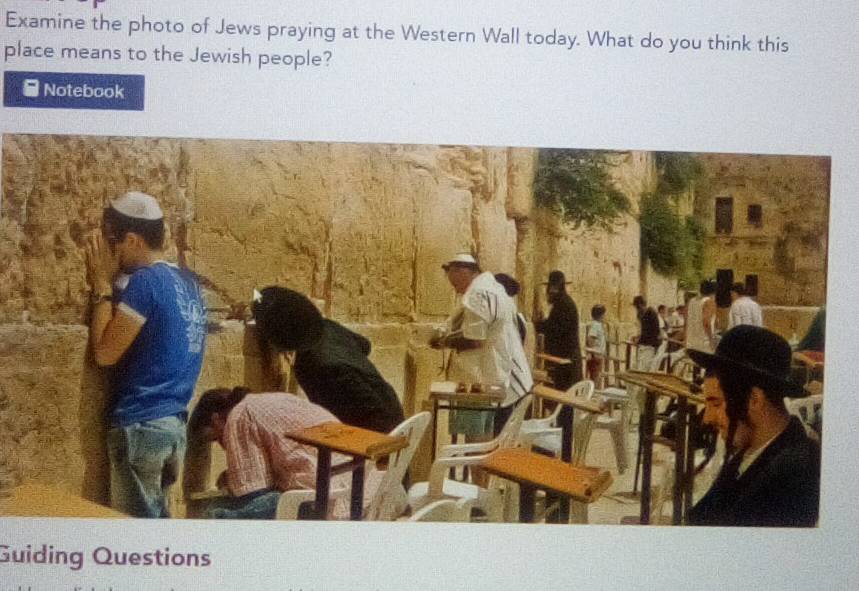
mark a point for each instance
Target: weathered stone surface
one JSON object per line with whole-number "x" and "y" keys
{"x": 788, "y": 250}
{"x": 603, "y": 268}
{"x": 51, "y": 424}
{"x": 361, "y": 228}
{"x": 789, "y": 321}
{"x": 54, "y": 188}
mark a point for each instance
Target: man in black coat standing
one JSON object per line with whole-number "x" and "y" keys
{"x": 771, "y": 475}
{"x": 561, "y": 332}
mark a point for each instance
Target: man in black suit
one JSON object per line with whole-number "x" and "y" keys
{"x": 561, "y": 332}
{"x": 771, "y": 475}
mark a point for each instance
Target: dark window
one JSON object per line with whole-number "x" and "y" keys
{"x": 724, "y": 280}
{"x": 724, "y": 215}
{"x": 751, "y": 285}
{"x": 756, "y": 216}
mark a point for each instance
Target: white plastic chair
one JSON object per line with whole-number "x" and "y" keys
{"x": 546, "y": 434}
{"x": 489, "y": 500}
{"x": 291, "y": 500}
{"x": 449, "y": 510}
{"x": 389, "y": 500}
{"x": 806, "y": 410}
{"x": 618, "y": 426}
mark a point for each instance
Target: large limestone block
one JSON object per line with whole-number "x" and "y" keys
{"x": 52, "y": 415}
{"x": 54, "y": 189}
{"x": 261, "y": 215}
{"x": 521, "y": 167}
{"x": 789, "y": 321}
{"x": 373, "y": 234}
{"x": 787, "y": 250}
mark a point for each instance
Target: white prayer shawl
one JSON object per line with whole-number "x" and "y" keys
{"x": 486, "y": 313}
{"x": 696, "y": 337}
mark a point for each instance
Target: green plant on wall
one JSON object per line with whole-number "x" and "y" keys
{"x": 674, "y": 246}
{"x": 661, "y": 233}
{"x": 577, "y": 186}
{"x": 691, "y": 269}
{"x": 678, "y": 172}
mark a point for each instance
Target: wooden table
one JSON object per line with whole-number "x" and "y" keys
{"x": 38, "y": 500}
{"x": 686, "y": 394}
{"x": 544, "y": 392}
{"x": 540, "y": 374}
{"x": 449, "y": 396}
{"x": 360, "y": 444}
{"x": 813, "y": 360}
{"x": 532, "y": 472}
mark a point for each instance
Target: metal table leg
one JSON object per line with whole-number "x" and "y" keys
{"x": 434, "y": 428}
{"x": 647, "y": 460}
{"x": 323, "y": 483}
{"x": 690, "y": 462}
{"x": 357, "y": 505}
{"x": 679, "y": 462}
{"x": 526, "y": 503}
{"x": 566, "y": 416}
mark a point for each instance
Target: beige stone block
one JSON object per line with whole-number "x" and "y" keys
{"x": 789, "y": 321}
{"x": 522, "y": 165}
{"x": 423, "y": 366}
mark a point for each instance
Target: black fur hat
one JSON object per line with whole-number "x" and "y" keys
{"x": 287, "y": 319}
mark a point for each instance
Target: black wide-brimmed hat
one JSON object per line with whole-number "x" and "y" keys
{"x": 287, "y": 319}
{"x": 756, "y": 352}
{"x": 557, "y": 277}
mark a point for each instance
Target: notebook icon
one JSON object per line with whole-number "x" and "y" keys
{"x": 30, "y": 88}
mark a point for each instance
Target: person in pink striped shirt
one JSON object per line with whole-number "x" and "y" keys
{"x": 261, "y": 461}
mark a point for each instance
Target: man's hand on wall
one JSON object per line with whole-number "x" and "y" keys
{"x": 102, "y": 264}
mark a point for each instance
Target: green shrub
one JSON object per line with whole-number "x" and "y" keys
{"x": 576, "y": 185}
{"x": 678, "y": 171}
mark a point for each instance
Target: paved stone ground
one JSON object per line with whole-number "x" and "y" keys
{"x": 618, "y": 502}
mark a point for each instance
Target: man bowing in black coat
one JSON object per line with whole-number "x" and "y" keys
{"x": 771, "y": 475}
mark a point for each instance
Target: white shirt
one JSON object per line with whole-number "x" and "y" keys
{"x": 749, "y": 458}
{"x": 595, "y": 331}
{"x": 696, "y": 337}
{"x": 745, "y": 310}
{"x": 486, "y": 313}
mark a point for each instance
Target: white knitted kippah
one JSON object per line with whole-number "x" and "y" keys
{"x": 135, "y": 204}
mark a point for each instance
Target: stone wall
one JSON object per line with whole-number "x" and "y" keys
{"x": 53, "y": 191}
{"x": 363, "y": 228}
{"x": 788, "y": 250}
{"x": 605, "y": 268}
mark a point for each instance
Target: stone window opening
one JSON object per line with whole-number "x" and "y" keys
{"x": 724, "y": 215}
{"x": 751, "y": 285}
{"x": 755, "y": 216}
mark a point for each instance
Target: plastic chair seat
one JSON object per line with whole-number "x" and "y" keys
{"x": 617, "y": 426}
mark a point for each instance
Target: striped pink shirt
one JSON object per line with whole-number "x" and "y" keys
{"x": 260, "y": 456}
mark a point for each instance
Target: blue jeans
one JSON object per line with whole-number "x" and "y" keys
{"x": 260, "y": 504}
{"x": 145, "y": 459}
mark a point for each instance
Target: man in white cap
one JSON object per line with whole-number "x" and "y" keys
{"x": 153, "y": 339}
{"x": 483, "y": 331}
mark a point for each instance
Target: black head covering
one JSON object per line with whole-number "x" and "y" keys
{"x": 757, "y": 353}
{"x": 287, "y": 319}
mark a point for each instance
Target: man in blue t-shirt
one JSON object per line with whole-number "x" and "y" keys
{"x": 153, "y": 338}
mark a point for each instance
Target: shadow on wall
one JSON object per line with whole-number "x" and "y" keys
{"x": 92, "y": 417}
